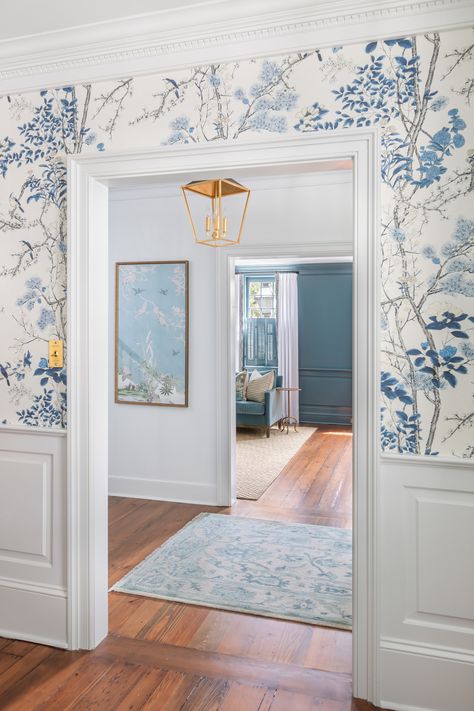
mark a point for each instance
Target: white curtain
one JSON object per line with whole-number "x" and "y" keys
{"x": 239, "y": 324}
{"x": 287, "y": 335}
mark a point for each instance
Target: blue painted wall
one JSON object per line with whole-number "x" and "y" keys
{"x": 325, "y": 342}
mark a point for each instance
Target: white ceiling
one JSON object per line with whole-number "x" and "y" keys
{"x": 30, "y": 17}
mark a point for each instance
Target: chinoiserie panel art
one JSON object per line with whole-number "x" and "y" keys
{"x": 419, "y": 91}
{"x": 151, "y": 333}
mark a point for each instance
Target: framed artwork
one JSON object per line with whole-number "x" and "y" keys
{"x": 151, "y": 333}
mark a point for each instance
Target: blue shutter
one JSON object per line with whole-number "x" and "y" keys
{"x": 261, "y": 343}
{"x": 260, "y": 337}
{"x": 251, "y": 341}
{"x": 272, "y": 354}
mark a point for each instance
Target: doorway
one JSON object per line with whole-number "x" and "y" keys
{"x": 87, "y": 460}
{"x": 300, "y": 473}
{"x": 293, "y": 326}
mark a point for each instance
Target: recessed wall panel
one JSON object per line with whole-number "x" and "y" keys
{"x": 445, "y": 529}
{"x": 25, "y": 506}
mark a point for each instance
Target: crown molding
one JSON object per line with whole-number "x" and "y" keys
{"x": 213, "y": 32}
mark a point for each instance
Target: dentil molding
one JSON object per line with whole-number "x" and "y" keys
{"x": 213, "y": 32}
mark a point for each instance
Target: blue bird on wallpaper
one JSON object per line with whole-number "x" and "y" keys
{"x": 5, "y": 374}
{"x": 137, "y": 291}
{"x": 175, "y": 353}
{"x": 29, "y": 247}
{"x": 17, "y": 202}
{"x": 175, "y": 84}
{"x": 164, "y": 291}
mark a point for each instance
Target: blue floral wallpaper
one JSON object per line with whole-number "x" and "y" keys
{"x": 418, "y": 90}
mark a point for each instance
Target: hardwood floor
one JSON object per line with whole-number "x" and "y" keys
{"x": 165, "y": 656}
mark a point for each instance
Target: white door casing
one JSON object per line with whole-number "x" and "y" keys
{"x": 88, "y": 314}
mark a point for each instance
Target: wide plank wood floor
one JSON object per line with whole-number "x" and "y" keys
{"x": 165, "y": 656}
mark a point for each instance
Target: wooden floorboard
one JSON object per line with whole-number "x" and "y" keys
{"x": 291, "y": 677}
{"x": 168, "y": 656}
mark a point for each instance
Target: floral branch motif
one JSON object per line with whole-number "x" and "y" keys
{"x": 460, "y": 57}
{"x": 57, "y": 127}
{"x": 401, "y": 85}
{"x": 224, "y": 112}
{"x": 115, "y": 99}
{"x": 389, "y": 91}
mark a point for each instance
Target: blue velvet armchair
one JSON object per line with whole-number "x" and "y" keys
{"x": 262, "y": 414}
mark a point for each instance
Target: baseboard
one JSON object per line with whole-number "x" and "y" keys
{"x": 329, "y": 419}
{"x": 33, "y": 613}
{"x": 34, "y": 638}
{"x": 431, "y": 682}
{"x": 158, "y": 490}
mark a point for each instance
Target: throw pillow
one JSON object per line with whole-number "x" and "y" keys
{"x": 241, "y": 380}
{"x": 257, "y": 387}
{"x": 254, "y": 374}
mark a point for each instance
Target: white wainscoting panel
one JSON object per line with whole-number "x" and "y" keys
{"x": 427, "y": 584}
{"x": 25, "y": 483}
{"x": 33, "y": 535}
{"x": 445, "y": 538}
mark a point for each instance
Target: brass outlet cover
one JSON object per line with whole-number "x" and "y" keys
{"x": 55, "y": 354}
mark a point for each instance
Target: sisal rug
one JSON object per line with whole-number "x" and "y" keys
{"x": 292, "y": 571}
{"x": 260, "y": 459}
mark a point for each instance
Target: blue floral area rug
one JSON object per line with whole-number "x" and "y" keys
{"x": 287, "y": 570}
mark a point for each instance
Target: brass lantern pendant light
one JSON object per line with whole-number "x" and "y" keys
{"x": 218, "y": 220}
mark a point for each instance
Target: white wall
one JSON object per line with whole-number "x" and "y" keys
{"x": 155, "y": 452}
{"x": 167, "y": 453}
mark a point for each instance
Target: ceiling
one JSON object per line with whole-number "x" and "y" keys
{"x": 30, "y": 17}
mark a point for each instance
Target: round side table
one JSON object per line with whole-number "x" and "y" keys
{"x": 289, "y": 419}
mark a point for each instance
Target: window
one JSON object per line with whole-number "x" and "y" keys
{"x": 260, "y": 345}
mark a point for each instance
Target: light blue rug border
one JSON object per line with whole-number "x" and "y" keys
{"x": 120, "y": 585}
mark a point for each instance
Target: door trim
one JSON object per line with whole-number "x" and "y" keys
{"x": 88, "y": 179}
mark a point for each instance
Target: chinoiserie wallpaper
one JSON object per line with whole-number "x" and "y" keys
{"x": 419, "y": 90}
